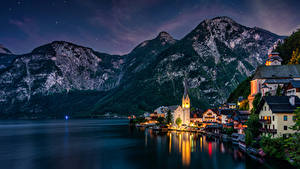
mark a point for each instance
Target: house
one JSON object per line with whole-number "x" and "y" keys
{"x": 231, "y": 105}
{"x": 239, "y": 121}
{"x": 183, "y": 112}
{"x": 276, "y": 113}
{"x": 210, "y": 116}
{"x": 274, "y": 73}
{"x": 269, "y": 87}
{"x": 273, "y": 59}
{"x": 226, "y": 115}
{"x": 160, "y": 112}
{"x": 293, "y": 88}
{"x": 196, "y": 117}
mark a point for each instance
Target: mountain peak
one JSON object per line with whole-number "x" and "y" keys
{"x": 164, "y": 34}
{"x": 4, "y": 50}
{"x": 218, "y": 21}
{"x": 165, "y": 37}
{"x": 220, "y": 18}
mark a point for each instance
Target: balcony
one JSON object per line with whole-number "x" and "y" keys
{"x": 264, "y": 121}
{"x": 264, "y": 130}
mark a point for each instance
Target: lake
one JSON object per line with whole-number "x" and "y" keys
{"x": 112, "y": 144}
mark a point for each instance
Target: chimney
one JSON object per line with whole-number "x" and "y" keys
{"x": 292, "y": 100}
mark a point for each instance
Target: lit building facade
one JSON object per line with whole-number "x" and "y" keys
{"x": 276, "y": 114}
{"x": 183, "y": 112}
{"x": 266, "y": 79}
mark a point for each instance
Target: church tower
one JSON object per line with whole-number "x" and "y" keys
{"x": 186, "y": 104}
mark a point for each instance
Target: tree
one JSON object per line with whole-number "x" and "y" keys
{"x": 295, "y": 59}
{"x": 279, "y": 91}
{"x": 193, "y": 109}
{"x": 256, "y": 102}
{"x": 178, "y": 121}
{"x": 273, "y": 147}
{"x": 292, "y": 144}
{"x": 297, "y": 120}
{"x": 160, "y": 120}
{"x": 249, "y": 137}
{"x": 290, "y": 45}
{"x": 169, "y": 117}
{"x": 253, "y": 126}
{"x": 244, "y": 105}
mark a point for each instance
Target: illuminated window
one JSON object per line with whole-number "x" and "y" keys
{"x": 285, "y": 118}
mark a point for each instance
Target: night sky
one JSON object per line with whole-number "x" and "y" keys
{"x": 117, "y": 26}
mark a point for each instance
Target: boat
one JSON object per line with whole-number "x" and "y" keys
{"x": 235, "y": 138}
{"x": 242, "y": 144}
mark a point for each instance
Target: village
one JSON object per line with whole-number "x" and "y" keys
{"x": 268, "y": 111}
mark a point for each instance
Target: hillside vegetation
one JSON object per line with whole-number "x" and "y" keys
{"x": 290, "y": 45}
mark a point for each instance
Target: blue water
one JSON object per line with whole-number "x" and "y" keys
{"x": 112, "y": 144}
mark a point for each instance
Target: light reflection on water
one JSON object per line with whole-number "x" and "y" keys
{"x": 112, "y": 144}
{"x": 185, "y": 144}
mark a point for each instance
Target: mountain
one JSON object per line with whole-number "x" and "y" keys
{"x": 63, "y": 77}
{"x": 55, "y": 68}
{"x": 146, "y": 52}
{"x": 4, "y": 50}
{"x": 6, "y": 57}
{"x": 215, "y": 57}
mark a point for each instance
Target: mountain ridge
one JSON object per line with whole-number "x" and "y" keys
{"x": 149, "y": 76}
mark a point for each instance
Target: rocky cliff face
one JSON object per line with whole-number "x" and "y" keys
{"x": 58, "y": 67}
{"x": 214, "y": 57}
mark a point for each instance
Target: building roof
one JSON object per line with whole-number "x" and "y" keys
{"x": 241, "y": 98}
{"x": 277, "y": 72}
{"x": 186, "y": 92}
{"x": 276, "y": 57}
{"x": 227, "y": 111}
{"x": 295, "y": 83}
{"x": 274, "y": 53}
{"x": 244, "y": 112}
{"x": 279, "y": 104}
{"x": 172, "y": 108}
{"x": 277, "y": 81}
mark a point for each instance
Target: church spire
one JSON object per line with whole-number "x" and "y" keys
{"x": 186, "y": 93}
{"x": 185, "y": 97}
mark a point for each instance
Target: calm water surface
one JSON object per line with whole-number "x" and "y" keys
{"x": 106, "y": 144}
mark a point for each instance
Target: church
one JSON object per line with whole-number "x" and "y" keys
{"x": 183, "y": 111}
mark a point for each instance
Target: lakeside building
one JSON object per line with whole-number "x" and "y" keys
{"x": 210, "y": 116}
{"x": 234, "y": 118}
{"x": 183, "y": 111}
{"x": 160, "y": 112}
{"x": 232, "y": 105}
{"x": 277, "y": 115}
{"x": 196, "y": 117}
{"x": 268, "y": 78}
{"x": 273, "y": 59}
{"x": 293, "y": 88}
